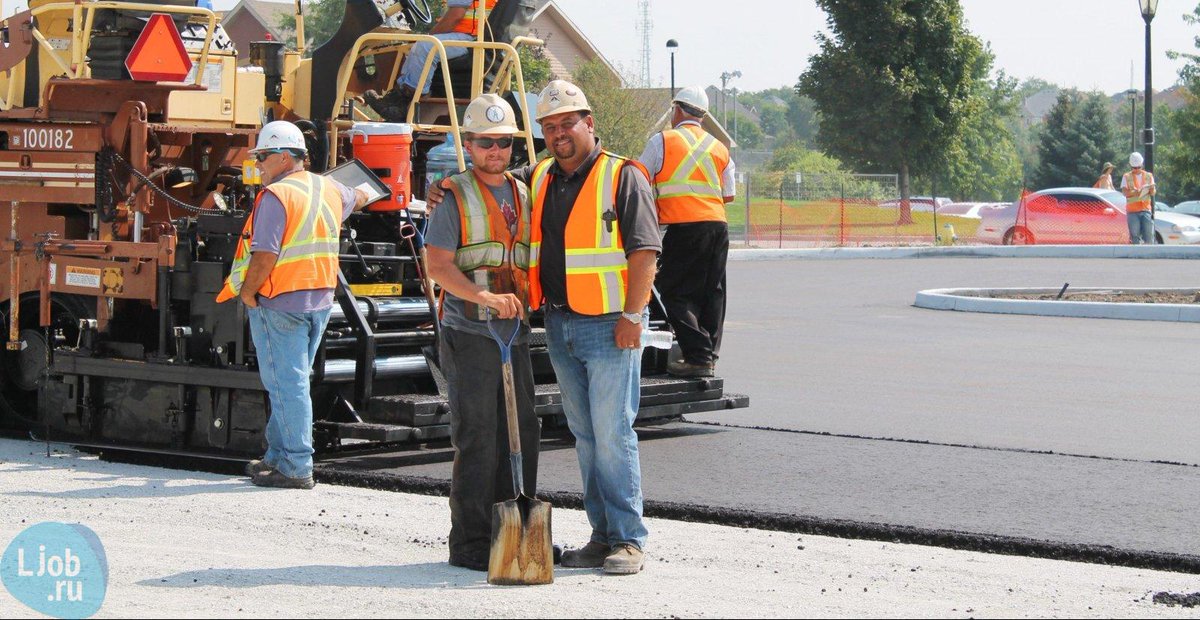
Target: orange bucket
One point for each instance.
(386, 148)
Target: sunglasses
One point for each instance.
(486, 143)
(262, 156)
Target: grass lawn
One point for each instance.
(826, 217)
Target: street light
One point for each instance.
(1132, 94)
(672, 45)
(1148, 7)
(725, 77)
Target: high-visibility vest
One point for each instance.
(597, 271)
(469, 24)
(488, 253)
(308, 254)
(1136, 180)
(688, 187)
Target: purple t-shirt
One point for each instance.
(270, 220)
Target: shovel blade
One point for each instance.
(521, 552)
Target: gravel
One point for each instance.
(202, 545)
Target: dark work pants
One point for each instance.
(691, 282)
(478, 430)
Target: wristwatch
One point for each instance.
(632, 317)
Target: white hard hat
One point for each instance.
(277, 135)
(489, 114)
(1135, 159)
(692, 96)
(559, 97)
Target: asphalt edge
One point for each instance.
(981, 251)
(815, 526)
(982, 300)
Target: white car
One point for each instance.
(1174, 228)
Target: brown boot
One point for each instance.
(681, 368)
(625, 559)
(393, 106)
(592, 555)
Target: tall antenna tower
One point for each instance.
(644, 27)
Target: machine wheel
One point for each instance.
(418, 9)
(1018, 236)
(22, 372)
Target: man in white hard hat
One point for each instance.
(594, 242)
(478, 243)
(1139, 190)
(693, 179)
(285, 271)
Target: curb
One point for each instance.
(1003, 251)
(969, 300)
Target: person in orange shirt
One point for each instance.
(1138, 187)
(1105, 180)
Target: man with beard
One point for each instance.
(478, 243)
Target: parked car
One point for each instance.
(1075, 215)
(1063, 215)
(970, 210)
(918, 203)
(1190, 207)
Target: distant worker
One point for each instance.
(478, 244)
(693, 179)
(460, 22)
(1139, 190)
(1105, 180)
(285, 270)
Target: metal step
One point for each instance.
(659, 393)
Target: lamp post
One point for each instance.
(672, 45)
(1132, 94)
(725, 77)
(1148, 7)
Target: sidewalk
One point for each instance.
(194, 544)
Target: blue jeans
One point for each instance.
(1141, 227)
(600, 387)
(287, 344)
(410, 71)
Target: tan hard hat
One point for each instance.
(489, 114)
(693, 97)
(559, 97)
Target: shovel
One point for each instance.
(521, 553)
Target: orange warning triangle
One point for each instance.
(158, 54)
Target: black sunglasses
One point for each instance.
(262, 156)
(486, 143)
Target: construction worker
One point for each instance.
(1104, 181)
(1139, 190)
(285, 270)
(478, 243)
(594, 242)
(460, 22)
(693, 179)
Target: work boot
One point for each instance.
(682, 368)
(256, 467)
(625, 559)
(592, 555)
(393, 106)
(272, 478)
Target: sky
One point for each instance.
(1086, 44)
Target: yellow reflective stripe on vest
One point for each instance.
(308, 243)
(699, 155)
(475, 210)
(486, 254)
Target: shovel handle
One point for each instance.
(510, 402)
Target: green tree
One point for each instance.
(535, 67)
(983, 162)
(774, 120)
(1076, 140)
(892, 84)
(621, 123)
(322, 18)
(749, 134)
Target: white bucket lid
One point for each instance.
(382, 129)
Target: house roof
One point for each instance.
(572, 30)
(266, 12)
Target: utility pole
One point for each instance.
(645, 26)
(725, 78)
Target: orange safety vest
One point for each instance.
(308, 256)
(1136, 180)
(689, 185)
(597, 270)
(469, 24)
(488, 254)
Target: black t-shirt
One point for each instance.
(636, 213)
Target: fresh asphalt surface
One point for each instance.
(1079, 431)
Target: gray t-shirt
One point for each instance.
(270, 220)
(445, 232)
